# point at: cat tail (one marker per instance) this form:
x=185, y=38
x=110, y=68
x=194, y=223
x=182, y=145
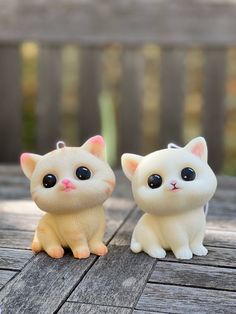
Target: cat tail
x=135, y=246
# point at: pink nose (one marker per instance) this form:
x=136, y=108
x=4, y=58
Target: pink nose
x=173, y=182
x=66, y=182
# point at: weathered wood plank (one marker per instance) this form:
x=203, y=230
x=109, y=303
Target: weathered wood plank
x=44, y=283
x=14, y=259
x=19, y=215
x=49, y=97
x=221, y=223
x=130, y=111
x=172, y=96
x=121, y=274
x=5, y=276
x=147, y=312
x=177, y=299
x=220, y=238
x=194, y=275
x=89, y=88
x=182, y=22
x=71, y=307
x=224, y=257
x=214, y=105
x=11, y=221
x=11, y=104
x=16, y=239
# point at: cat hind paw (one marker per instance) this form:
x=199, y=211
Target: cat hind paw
x=135, y=247
x=36, y=247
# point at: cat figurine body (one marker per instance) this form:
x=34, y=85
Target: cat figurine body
x=171, y=186
x=70, y=184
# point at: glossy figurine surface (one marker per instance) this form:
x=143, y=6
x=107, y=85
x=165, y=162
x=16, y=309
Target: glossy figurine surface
x=171, y=186
x=70, y=184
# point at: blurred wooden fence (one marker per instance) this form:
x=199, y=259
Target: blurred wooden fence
x=174, y=25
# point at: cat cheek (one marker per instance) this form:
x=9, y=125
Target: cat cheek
x=108, y=191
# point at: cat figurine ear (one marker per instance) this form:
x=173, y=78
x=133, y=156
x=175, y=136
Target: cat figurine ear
x=198, y=147
x=130, y=163
x=96, y=146
x=28, y=163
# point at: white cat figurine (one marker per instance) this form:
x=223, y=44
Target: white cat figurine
x=70, y=184
x=171, y=186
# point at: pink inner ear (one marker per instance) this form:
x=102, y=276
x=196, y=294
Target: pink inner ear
x=98, y=139
x=198, y=150
x=132, y=165
x=97, y=145
x=24, y=157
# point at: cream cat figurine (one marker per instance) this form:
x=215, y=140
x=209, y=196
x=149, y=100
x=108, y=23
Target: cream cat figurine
x=171, y=186
x=70, y=184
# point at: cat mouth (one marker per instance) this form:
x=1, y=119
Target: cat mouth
x=175, y=189
x=68, y=189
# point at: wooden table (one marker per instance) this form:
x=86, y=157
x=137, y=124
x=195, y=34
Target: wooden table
x=120, y=282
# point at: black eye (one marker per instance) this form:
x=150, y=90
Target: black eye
x=49, y=181
x=83, y=173
x=188, y=174
x=154, y=181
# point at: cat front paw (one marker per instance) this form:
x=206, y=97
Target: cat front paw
x=199, y=250
x=81, y=253
x=157, y=252
x=55, y=251
x=100, y=249
x=183, y=253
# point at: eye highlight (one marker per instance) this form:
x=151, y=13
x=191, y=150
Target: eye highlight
x=49, y=181
x=83, y=173
x=154, y=181
x=188, y=174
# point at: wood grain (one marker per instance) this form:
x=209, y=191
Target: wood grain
x=177, y=299
x=220, y=238
x=214, y=105
x=194, y=275
x=172, y=95
x=130, y=111
x=167, y=22
x=14, y=259
x=16, y=239
x=43, y=284
x=90, y=81
x=217, y=256
x=49, y=98
x=11, y=103
x=5, y=276
x=71, y=307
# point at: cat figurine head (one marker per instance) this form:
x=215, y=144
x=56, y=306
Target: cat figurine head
x=69, y=179
x=171, y=180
